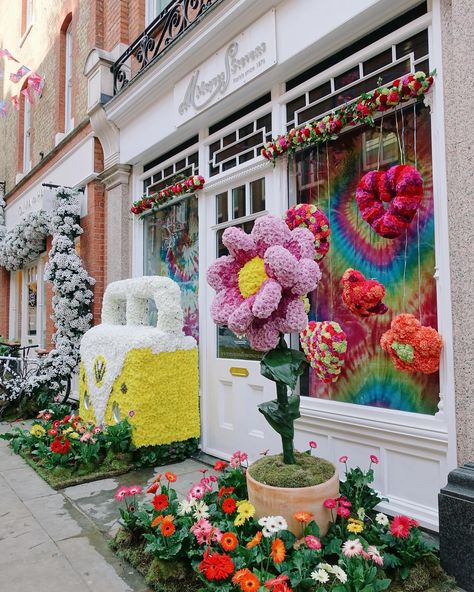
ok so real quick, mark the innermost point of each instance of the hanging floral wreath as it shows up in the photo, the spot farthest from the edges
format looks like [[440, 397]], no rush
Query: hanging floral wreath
[[25, 241], [315, 220], [72, 302], [411, 86], [363, 297], [154, 201], [412, 347], [325, 345], [401, 187]]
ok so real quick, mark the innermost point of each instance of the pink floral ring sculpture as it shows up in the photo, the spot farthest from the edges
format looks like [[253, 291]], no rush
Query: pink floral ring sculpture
[[401, 187], [310, 217], [260, 285], [325, 345]]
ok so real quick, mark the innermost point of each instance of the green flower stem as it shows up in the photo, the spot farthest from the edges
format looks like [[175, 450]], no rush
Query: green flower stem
[[287, 441]]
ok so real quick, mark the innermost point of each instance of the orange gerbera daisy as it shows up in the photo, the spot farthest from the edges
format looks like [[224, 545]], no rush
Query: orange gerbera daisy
[[229, 541], [157, 478], [303, 517], [255, 541], [171, 477], [158, 520], [167, 528], [278, 551], [246, 580]]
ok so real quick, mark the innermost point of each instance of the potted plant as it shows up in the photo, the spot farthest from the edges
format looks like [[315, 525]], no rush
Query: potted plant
[[261, 289]]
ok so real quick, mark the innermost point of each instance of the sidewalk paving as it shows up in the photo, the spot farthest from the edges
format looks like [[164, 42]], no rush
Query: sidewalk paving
[[53, 541]]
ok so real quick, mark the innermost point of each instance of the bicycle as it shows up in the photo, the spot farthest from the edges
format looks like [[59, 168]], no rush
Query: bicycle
[[20, 367]]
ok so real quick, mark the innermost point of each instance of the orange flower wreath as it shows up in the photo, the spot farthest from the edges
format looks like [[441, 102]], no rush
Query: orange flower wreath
[[412, 347]]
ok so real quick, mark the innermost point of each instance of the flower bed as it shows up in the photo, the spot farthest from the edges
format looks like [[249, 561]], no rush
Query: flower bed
[[214, 532], [66, 450]]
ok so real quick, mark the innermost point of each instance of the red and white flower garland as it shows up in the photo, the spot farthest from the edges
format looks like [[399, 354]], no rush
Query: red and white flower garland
[[150, 202], [403, 89]]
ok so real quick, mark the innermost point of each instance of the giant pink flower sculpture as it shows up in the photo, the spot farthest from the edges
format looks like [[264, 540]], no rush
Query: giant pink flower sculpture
[[260, 286]]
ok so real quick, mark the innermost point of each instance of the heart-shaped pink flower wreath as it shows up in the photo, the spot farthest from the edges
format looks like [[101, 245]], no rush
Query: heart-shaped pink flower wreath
[[412, 347], [325, 345], [401, 187], [308, 216], [260, 286], [362, 297]]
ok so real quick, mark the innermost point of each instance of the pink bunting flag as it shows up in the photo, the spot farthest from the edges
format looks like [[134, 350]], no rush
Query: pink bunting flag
[[36, 82], [28, 94], [18, 75], [15, 102], [5, 52], [3, 108]]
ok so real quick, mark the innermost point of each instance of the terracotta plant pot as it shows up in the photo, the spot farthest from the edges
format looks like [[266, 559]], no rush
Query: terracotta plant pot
[[286, 501]]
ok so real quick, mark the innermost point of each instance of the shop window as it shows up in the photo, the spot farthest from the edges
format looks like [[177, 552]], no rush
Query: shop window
[[245, 203], [65, 120], [68, 81], [327, 176], [184, 167], [171, 249], [398, 59], [31, 304], [239, 146]]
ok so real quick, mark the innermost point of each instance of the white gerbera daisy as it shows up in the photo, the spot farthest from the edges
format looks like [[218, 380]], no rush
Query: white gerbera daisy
[[201, 510], [280, 523], [381, 519], [185, 507], [320, 575], [340, 574]]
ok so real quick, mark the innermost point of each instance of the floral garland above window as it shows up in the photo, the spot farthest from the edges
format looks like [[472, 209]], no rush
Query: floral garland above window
[[406, 88], [25, 241], [155, 200], [72, 300]]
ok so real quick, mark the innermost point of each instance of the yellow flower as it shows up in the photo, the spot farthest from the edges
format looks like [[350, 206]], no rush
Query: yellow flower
[[355, 526], [245, 511], [37, 431], [74, 435], [68, 430]]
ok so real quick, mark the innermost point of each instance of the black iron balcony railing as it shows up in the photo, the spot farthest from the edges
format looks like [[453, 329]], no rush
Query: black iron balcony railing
[[168, 27]]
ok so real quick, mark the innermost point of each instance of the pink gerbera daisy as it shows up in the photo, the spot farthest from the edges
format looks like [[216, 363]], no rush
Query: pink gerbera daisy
[[261, 282], [352, 548], [121, 493]]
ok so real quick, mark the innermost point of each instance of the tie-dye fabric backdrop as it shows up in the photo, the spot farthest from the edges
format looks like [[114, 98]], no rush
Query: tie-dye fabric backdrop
[[327, 177], [171, 249]]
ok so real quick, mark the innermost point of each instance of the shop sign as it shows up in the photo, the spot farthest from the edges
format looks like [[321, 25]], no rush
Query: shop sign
[[241, 60]]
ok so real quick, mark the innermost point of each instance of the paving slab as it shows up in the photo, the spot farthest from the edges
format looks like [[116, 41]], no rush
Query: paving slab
[[53, 513], [26, 483]]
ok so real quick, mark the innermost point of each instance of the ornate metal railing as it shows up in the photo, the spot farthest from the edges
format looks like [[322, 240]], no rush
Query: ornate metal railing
[[168, 27]]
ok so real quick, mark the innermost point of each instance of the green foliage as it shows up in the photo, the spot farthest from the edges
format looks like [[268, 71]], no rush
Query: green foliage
[[357, 488], [119, 437], [155, 456]]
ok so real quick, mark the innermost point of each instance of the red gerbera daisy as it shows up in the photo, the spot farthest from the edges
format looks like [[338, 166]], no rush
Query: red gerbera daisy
[[160, 502], [400, 527], [229, 506], [216, 566]]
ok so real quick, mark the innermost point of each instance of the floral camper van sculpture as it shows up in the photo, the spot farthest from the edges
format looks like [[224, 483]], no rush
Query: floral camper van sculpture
[[148, 375]]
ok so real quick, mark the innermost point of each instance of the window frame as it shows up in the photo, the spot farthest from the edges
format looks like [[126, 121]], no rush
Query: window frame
[[68, 63]]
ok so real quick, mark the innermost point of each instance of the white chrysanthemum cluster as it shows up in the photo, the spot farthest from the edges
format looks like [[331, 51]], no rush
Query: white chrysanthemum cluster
[[72, 300], [25, 241]]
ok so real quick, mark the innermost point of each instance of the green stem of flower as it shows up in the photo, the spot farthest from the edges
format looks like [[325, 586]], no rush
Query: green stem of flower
[[287, 441]]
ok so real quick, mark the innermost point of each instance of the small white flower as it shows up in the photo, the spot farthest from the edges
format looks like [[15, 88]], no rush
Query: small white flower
[[382, 519], [320, 575], [267, 533], [326, 567], [263, 521], [280, 523], [201, 510], [340, 574], [185, 507]]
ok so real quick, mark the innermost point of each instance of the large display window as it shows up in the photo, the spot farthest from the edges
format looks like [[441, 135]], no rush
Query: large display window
[[327, 176]]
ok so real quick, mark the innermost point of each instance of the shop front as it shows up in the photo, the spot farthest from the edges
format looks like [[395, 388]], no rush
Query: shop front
[[208, 109]]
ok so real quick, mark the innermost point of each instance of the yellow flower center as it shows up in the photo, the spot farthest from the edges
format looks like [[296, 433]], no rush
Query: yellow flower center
[[252, 276]]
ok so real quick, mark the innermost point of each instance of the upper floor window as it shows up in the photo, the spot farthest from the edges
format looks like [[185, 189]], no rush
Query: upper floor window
[[26, 135], [154, 8], [68, 123], [26, 15]]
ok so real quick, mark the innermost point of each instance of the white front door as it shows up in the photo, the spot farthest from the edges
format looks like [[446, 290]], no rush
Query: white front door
[[232, 384]]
